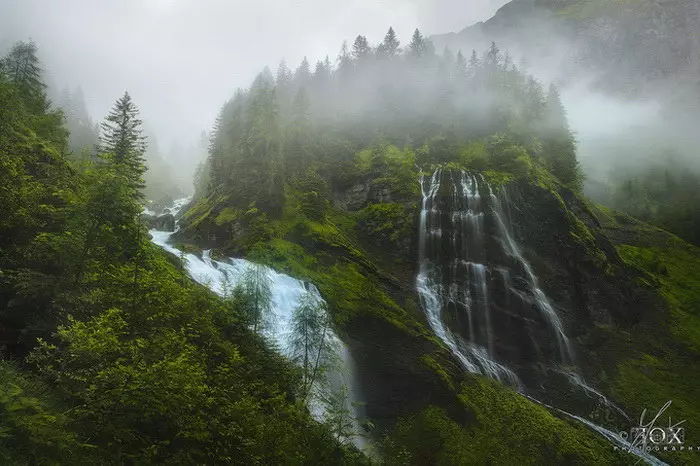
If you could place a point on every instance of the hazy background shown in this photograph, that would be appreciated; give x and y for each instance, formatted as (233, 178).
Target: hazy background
(181, 59)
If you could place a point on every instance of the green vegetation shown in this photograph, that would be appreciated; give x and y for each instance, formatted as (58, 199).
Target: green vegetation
(123, 358)
(534, 435)
(662, 357)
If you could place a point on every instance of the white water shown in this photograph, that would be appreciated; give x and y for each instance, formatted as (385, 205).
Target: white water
(543, 302)
(286, 294)
(614, 438)
(467, 262)
(435, 296)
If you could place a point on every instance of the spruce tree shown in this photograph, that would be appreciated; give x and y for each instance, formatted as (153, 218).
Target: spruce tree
(390, 47)
(311, 345)
(417, 45)
(22, 68)
(361, 48)
(121, 140)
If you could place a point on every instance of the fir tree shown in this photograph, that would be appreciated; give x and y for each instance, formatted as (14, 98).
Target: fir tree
(417, 45)
(122, 141)
(389, 48)
(311, 345)
(361, 49)
(22, 68)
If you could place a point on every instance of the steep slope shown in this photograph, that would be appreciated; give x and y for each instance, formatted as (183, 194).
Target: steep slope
(365, 265)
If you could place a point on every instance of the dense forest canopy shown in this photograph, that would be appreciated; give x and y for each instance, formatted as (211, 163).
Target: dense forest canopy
(444, 107)
(113, 352)
(132, 361)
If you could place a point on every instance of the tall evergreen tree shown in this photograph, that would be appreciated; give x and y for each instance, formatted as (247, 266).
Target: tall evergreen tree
(461, 66)
(122, 140)
(303, 73)
(389, 48)
(311, 344)
(361, 48)
(22, 68)
(417, 45)
(284, 75)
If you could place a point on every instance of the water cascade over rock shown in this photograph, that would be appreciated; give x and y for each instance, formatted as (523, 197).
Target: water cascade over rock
(286, 294)
(479, 293)
(482, 298)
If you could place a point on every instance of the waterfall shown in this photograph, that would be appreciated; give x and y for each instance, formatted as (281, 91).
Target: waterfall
(459, 282)
(481, 296)
(467, 258)
(286, 294)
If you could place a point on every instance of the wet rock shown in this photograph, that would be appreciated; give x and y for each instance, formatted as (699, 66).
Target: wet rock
(159, 222)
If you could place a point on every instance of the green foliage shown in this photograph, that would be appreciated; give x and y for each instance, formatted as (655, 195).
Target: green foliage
(661, 351)
(139, 364)
(664, 195)
(389, 225)
(32, 428)
(255, 290)
(534, 435)
(121, 138)
(311, 345)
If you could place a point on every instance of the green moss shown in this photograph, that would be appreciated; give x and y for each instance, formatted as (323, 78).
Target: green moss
(498, 178)
(502, 427)
(228, 215)
(665, 366)
(435, 366)
(674, 268)
(534, 435)
(388, 224)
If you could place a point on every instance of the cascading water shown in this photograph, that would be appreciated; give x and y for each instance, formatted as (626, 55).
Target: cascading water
(481, 297)
(286, 295)
(475, 285)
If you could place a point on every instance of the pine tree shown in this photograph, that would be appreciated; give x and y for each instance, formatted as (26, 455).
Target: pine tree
(361, 49)
(284, 75)
(22, 68)
(303, 73)
(390, 47)
(417, 45)
(339, 416)
(493, 56)
(255, 287)
(311, 344)
(121, 140)
(460, 66)
(559, 145)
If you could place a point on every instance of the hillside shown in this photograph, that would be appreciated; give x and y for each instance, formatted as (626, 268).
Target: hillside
(628, 46)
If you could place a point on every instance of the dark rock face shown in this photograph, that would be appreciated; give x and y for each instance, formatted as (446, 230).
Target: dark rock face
(353, 198)
(163, 222)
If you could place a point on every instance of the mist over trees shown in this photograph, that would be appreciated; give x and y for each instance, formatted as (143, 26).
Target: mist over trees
(411, 97)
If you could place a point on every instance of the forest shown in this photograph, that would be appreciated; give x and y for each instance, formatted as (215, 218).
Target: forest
(113, 352)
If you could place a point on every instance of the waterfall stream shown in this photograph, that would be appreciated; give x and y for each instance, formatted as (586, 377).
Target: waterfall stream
(286, 293)
(482, 298)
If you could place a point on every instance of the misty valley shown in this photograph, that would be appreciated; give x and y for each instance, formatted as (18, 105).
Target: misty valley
(474, 248)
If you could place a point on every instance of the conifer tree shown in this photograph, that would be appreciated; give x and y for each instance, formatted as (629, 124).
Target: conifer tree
(22, 68)
(284, 75)
(253, 296)
(389, 48)
(417, 45)
(311, 345)
(460, 66)
(361, 49)
(303, 73)
(121, 139)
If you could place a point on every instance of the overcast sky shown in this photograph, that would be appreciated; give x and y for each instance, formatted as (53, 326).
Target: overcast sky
(181, 59)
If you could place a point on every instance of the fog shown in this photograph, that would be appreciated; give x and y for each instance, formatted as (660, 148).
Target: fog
(181, 59)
